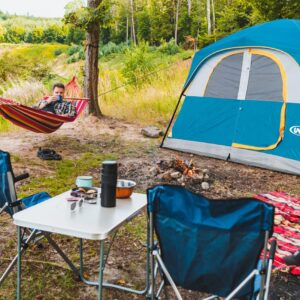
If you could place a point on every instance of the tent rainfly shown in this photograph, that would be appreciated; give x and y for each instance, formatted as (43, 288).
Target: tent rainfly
(242, 99)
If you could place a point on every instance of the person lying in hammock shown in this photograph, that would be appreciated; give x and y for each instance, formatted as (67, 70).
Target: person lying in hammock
(55, 103)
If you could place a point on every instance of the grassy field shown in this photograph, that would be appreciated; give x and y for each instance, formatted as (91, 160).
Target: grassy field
(140, 85)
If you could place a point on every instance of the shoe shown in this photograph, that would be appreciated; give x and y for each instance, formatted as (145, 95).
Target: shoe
(293, 259)
(48, 154)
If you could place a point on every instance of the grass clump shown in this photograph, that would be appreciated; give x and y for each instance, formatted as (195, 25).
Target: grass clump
(64, 174)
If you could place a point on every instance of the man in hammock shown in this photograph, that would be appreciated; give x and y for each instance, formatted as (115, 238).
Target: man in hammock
(55, 103)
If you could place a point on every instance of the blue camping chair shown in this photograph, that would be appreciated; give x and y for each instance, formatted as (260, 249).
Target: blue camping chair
(211, 246)
(10, 204)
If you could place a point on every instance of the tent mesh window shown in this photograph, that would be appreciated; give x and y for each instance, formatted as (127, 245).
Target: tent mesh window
(265, 81)
(225, 79)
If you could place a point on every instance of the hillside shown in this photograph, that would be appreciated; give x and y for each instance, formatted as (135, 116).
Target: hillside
(27, 21)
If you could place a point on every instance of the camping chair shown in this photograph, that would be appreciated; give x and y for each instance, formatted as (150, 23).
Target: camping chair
(211, 246)
(10, 204)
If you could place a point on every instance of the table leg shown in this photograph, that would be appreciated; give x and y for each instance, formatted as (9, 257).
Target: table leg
(101, 269)
(62, 254)
(145, 291)
(19, 263)
(81, 259)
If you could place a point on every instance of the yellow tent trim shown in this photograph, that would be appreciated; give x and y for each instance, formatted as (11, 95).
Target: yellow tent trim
(283, 108)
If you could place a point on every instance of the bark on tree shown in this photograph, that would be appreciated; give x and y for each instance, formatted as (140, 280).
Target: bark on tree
(189, 7)
(91, 70)
(208, 17)
(213, 16)
(127, 29)
(133, 36)
(176, 21)
(198, 25)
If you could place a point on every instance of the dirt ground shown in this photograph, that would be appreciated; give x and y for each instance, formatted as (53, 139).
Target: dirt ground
(226, 180)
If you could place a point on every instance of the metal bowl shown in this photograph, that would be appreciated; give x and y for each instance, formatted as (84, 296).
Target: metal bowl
(124, 188)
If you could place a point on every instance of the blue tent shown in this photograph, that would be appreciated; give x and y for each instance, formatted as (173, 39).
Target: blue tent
(242, 99)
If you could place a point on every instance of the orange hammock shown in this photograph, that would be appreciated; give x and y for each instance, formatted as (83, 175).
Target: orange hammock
(38, 120)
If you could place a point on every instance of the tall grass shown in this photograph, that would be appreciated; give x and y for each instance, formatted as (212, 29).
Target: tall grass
(149, 103)
(150, 80)
(25, 92)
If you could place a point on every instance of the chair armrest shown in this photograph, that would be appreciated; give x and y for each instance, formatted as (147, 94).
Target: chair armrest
(21, 177)
(15, 203)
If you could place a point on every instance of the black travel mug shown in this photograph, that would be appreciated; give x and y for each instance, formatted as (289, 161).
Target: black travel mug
(59, 99)
(109, 174)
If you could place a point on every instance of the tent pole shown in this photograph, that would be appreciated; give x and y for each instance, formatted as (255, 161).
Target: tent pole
(172, 118)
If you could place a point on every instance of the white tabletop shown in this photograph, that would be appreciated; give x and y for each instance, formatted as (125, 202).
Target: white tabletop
(91, 221)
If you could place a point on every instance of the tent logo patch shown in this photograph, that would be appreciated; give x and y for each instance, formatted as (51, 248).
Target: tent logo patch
(295, 130)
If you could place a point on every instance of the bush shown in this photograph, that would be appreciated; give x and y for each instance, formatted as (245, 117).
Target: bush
(138, 62)
(205, 40)
(112, 48)
(73, 49)
(169, 48)
(58, 52)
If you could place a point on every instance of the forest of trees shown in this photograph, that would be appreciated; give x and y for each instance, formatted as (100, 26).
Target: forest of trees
(153, 21)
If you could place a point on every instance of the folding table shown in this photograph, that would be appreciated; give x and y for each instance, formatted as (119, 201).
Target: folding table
(91, 222)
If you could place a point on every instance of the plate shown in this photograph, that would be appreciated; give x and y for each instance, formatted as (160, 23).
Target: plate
(85, 192)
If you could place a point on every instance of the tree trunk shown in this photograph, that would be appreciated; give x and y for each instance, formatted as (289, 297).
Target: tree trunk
(189, 7)
(208, 17)
(91, 70)
(176, 21)
(213, 16)
(133, 36)
(198, 25)
(127, 29)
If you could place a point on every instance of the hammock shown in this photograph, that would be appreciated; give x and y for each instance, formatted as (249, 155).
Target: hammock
(38, 120)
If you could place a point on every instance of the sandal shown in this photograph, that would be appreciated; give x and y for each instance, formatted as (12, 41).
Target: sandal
(48, 154)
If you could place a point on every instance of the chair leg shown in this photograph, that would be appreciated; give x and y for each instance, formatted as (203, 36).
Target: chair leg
(14, 261)
(162, 286)
(269, 268)
(3, 207)
(263, 267)
(167, 274)
(242, 284)
(159, 290)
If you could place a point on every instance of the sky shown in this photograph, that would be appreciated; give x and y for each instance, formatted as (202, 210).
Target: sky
(36, 8)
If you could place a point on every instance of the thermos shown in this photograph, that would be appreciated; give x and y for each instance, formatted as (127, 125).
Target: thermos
(109, 174)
